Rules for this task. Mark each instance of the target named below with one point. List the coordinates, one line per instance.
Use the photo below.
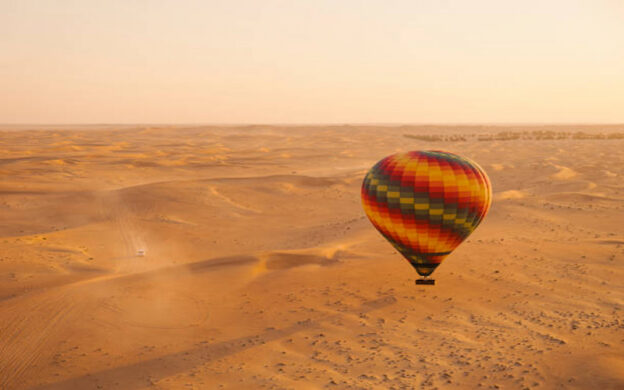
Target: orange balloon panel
(426, 203)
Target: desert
(239, 257)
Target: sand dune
(564, 173)
(240, 257)
(510, 194)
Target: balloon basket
(429, 282)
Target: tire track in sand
(28, 336)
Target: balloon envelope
(426, 203)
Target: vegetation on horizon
(536, 135)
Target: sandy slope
(261, 270)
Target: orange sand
(260, 269)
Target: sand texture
(156, 257)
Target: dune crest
(564, 173)
(510, 194)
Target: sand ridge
(239, 257)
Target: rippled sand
(200, 257)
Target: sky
(313, 61)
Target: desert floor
(260, 269)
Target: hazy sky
(330, 61)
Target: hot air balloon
(425, 203)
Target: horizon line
(304, 124)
